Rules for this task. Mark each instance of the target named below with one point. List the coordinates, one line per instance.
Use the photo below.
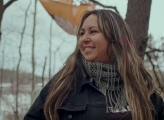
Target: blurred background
(35, 41)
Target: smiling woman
(103, 79)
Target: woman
(103, 79)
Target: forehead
(91, 20)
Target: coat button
(69, 116)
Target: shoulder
(36, 110)
(156, 99)
(158, 105)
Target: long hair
(137, 81)
(65, 81)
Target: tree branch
(162, 77)
(105, 6)
(154, 50)
(151, 62)
(9, 3)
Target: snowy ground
(8, 100)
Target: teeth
(88, 48)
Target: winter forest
(33, 46)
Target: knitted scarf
(108, 81)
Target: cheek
(105, 48)
(110, 51)
(79, 44)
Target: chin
(89, 59)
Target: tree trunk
(19, 61)
(1, 77)
(50, 49)
(137, 17)
(44, 67)
(1, 14)
(33, 47)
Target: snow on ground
(8, 100)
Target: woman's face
(92, 43)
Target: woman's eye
(93, 31)
(81, 33)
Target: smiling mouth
(88, 49)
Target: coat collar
(85, 81)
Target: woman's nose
(86, 38)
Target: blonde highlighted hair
(137, 81)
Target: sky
(62, 43)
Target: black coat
(87, 103)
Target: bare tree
(137, 17)
(2, 10)
(1, 78)
(44, 67)
(33, 46)
(19, 61)
(105, 6)
(154, 55)
(50, 48)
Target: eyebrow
(89, 28)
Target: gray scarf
(109, 82)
